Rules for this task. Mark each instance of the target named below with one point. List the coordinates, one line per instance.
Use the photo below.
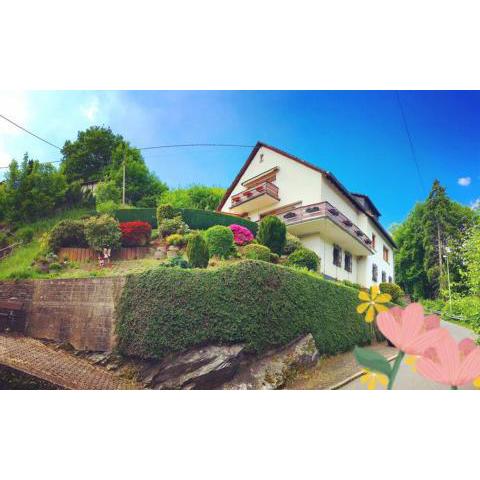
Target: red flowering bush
(241, 235)
(135, 234)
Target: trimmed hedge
(304, 258)
(195, 219)
(257, 303)
(255, 251)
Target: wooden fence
(87, 254)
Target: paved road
(409, 380)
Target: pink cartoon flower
(409, 330)
(451, 363)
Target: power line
(29, 132)
(412, 148)
(198, 145)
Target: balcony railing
(265, 188)
(326, 210)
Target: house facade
(342, 227)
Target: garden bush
(272, 233)
(102, 232)
(256, 303)
(463, 306)
(66, 233)
(197, 251)
(219, 241)
(25, 234)
(392, 289)
(135, 234)
(165, 212)
(292, 243)
(172, 225)
(348, 283)
(4, 241)
(255, 251)
(241, 235)
(304, 258)
(177, 240)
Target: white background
(239, 45)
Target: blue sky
(358, 136)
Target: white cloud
(464, 181)
(475, 205)
(90, 111)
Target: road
(409, 380)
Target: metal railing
(254, 192)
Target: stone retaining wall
(78, 311)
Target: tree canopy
(195, 196)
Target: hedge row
(263, 305)
(195, 219)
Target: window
(384, 277)
(337, 256)
(374, 272)
(385, 253)
(348, 262)
(374, 239)
(389, 279)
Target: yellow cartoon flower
(476, 382)
(372, 302)
(411, 361)
(371, 379)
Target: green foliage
(304, 258)
(292, 243)
(196, 219)
(219, 241)
(102, 232)
(464, 306)
(262, 305)
(394, 290)
(197, 251)
(4, 240)
(25, 234)
(177, 240)
(109, 207)
(177, 261)
(254, 251)
(32, 190)
(165, 211)
(272, 233)
(67, 233)
(197, 196)
(350, 284)
(108, 192)
(471, 270)
(172, 225)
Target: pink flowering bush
(241, 235)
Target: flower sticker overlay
(372, 303)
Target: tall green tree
(431, 227)
(471, 263)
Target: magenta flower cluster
(241, 235)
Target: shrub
(165, 212)
(272, 233)
(257, 252)
(304, 258)
(102, 232)
(350, 284)
(274, 258)
(197, 251)
(251, 302)
(393, 289)
(219, 241)
(135, 233)
(177, 261)
(464, 306)
(25, 234)
(292, 243)
(241, 235)
(176, 240)
(3, 240)
(108, 207)
(172, 225)
(66, 233)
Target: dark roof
(371, 205)
(329, 176)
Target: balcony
(333, 225)
(255, 198)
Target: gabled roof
(371, 205)
(329, 176)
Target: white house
(342, 227)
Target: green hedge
(263, 305)
(195, 219)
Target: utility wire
(198, 145)
(412, 148)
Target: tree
(195, 196)
(32, 190)
(272, 233)
(471, 249)
(422, 241)
(87, 157)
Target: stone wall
(78, 311)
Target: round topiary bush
(165, 211)
(172, 225)
(67, 233)
(254, 251)
(197, 251)
(304, 258)
(292, 243)
(392, 289)
(272, 233)
(219, 241)
(102, 232)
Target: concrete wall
(78, 311)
